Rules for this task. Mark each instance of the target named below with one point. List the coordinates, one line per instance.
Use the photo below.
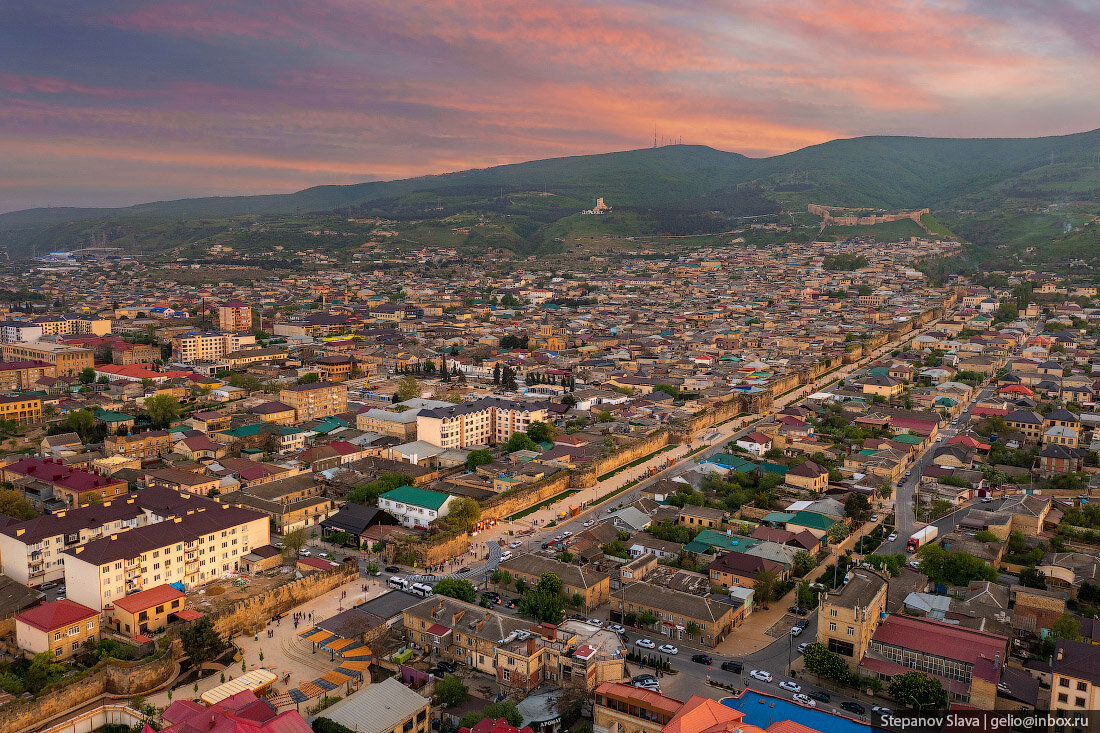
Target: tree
(339, 538)
(501, 577)
(818, 660)
(463, 590)
(604, 416)
(856, 506)
(408, 388)
(162, 409)
(918, 690)
(309, 378)
(369, 493)
(477, 458)
(565, 556)
(953, 568)
(464, 513)
(87, 375)
(543, 605)
(692, 629)
(541, 432)
(14, 504)
(81, 422)
(838, 532)
(496, 373)
(803, 562)
(294, 541)
(764, 586)
(569, 399)
(103, 379)
(1066, 627)
(200, 641)
(504, 709)
(42, 671)
(429, 367)
(450, 691)
(773, 454)
(549, 583)
(647, 618)
(1032, 578)
(519, 441)
(508, 378)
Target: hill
(672, 190)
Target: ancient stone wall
(253, 613)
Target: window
(832, 626)
(1063, 682)
(1081, 687)
(832, 612)
(851, 631)
(1063, 697)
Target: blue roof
(763, 710)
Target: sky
(115, 102)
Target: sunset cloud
(120, 101)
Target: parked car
(47, 586)
(651, 686)
(589, 522)
(854, 707)
(645, 644)
(446, 666)
(566, 533)
(668, 649)
(820, 696)
(798, 611)
(914, 563)
(304, 553)
(796, 630)
(802, 647)
(617, 628)
(595, 621)
(881, 710)
(392, 569)
(804, 700)
(515, 544)
(732, 666)
(759, 674)
(545, 545)
(874, 517)
(893, 536)
(986, 500)
(790, 686)
(701, 659)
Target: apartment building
(150, 444)
(19, 331)
(179, 480)
(1075, 683)
(678, 614)
(189, 348)
(74, 486)
(58, 627)
(235, 316)
(738, 569)
(293, 503)
(126, 354)
(398, 424)
(315, 400)
(335, 368)
(593, 586)
(73, 324)
(487, 421)
(31, 551)
(67, 361)
(17, 375)
(21, 409)
(191, 547)
(850, 615)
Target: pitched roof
(56, 615)
(417, 497)
(144, 599)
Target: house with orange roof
(58, 627)
(146, 611)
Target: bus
(420, 589)
(398, 583)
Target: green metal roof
(812, 520)
(778, 517)
(709, 539)
(910, 439)
(246, 430)
(416, 497)
(111, 415)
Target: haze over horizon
(120, 101)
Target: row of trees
(913, 689)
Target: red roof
(148, 598)
(983, 411)
(188, 614)
(949, 641)
(56, 615)
(73, 479)
(969, 442)
(488, 725)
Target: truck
(922, 537)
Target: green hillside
(996, 193)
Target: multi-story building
(21, 409)
(593, 586)
(191, 547)
(127, 354)
(415, 507)
(66, 360)
(74, 486)
(315, 399)
(738, 569)
(16, 375)
(179, 480)
(144, 612)
(235, 316)
(967, 662)
(31, 552)
(487, 421)
(293, 503)
(1075, 677)
(678, 615)
(620, 708)
(398, 424)
(850, 615)
(19, 331)
(150, 444)
(189, 348)
(335, 368)
(58, 627)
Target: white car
(882, 710)
(617, 628)
(645, 644)
(759, 674)
(668, 649)
(802, 647)
(790, 686)
(874, 517)
(893, 536)
(588, 522)
(595, 622)
(566, 533)
(796, 630)
(304, 553)
(804, 700)
(914, 563)
(515, 544)
(559, 537)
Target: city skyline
(125, 102)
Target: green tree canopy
(309, 378)
(477, 458)
(450, 691)
(163, 409)
(408, 388)
(542, 605)
(15, 504)
(463, 590)
(541, 432)
(200, 641)
(519, 441)
(918, 690)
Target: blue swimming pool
(763, 710)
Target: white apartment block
(200, 347)
(484, 422)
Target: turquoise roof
(910, 439)
(416, 497)
(246, 430)
(778, 517)
(812, 520)
(709, 539)
(111, 415)
(732, 462)
(774, 468)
